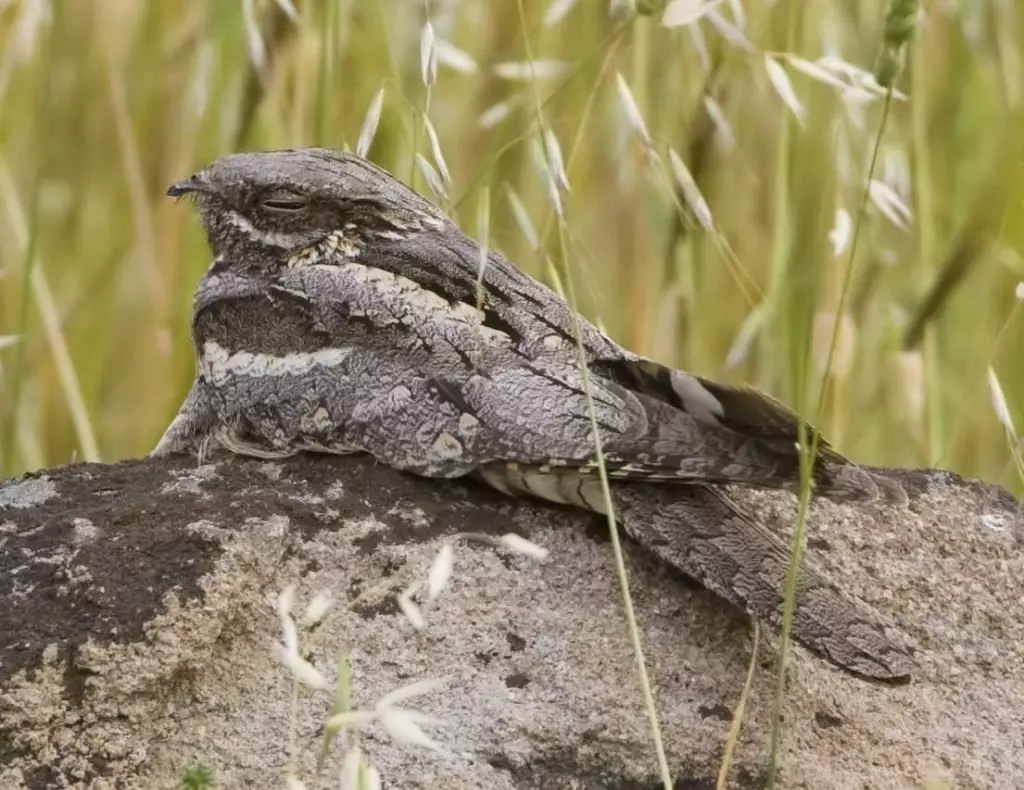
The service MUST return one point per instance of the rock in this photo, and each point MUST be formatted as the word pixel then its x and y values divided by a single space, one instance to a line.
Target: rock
pixel 138 624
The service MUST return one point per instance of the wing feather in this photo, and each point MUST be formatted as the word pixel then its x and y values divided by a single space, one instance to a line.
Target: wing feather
pixel 423 384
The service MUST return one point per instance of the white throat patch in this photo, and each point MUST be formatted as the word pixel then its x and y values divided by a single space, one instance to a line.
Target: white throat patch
pixel 286 241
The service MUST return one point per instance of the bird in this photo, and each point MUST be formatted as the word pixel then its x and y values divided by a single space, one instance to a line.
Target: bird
pixel 344 313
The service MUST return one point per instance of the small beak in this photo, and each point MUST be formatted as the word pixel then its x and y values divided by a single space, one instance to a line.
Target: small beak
pixel 193 184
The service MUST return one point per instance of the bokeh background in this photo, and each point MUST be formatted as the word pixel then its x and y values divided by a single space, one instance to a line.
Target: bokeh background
pixel 104 103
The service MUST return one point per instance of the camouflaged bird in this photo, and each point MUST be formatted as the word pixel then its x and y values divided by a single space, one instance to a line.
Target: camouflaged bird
pixel 342 314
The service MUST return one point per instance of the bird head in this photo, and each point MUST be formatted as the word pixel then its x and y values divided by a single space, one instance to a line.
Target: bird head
pixel 259 209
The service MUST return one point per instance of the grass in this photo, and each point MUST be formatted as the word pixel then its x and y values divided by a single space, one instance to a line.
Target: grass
pixel 136 100
pixel 103 104
pixel 197 776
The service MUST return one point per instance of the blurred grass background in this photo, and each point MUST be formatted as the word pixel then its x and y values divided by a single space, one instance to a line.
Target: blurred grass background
pixel 104 103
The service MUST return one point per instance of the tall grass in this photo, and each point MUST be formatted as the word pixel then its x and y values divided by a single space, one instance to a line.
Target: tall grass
pixel 141 94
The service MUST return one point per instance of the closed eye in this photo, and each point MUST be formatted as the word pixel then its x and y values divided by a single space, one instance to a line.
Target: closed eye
pixel 284 204
pixel 283 200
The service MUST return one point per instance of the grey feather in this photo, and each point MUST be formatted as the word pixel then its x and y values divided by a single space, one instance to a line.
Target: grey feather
pixel 705 535
pixel 342 315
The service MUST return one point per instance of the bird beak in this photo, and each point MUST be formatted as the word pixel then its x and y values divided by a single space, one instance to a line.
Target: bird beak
pixel 193 184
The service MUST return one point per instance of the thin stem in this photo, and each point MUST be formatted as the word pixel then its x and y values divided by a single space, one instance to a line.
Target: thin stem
pixel 780 258
pixel 934 434
pixel 808 453
pixel 789 606
pixel 613 531
pixel 326 85
pixel 620 565
pixel 30 245
pixel 848 269
pixel 769 373
pixel 737 718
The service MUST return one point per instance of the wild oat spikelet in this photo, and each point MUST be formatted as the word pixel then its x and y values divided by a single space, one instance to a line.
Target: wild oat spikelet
pixel 899 29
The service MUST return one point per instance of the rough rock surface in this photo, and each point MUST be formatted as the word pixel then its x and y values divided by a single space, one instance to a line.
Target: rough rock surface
pixel 137 626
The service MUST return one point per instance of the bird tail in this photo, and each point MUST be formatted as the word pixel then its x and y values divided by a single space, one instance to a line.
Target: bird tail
pixel 847 482
pixel 840 482
pixel 699 531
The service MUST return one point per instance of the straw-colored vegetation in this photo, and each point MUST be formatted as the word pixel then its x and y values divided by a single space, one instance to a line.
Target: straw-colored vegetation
pixel 103 104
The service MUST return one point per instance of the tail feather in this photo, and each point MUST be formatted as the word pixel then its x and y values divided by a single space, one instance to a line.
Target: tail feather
pixel 699 531
pixel 701 429
pixel 851 483
pixel 838 482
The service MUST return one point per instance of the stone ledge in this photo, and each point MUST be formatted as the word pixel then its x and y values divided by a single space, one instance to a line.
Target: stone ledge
pixel 137 624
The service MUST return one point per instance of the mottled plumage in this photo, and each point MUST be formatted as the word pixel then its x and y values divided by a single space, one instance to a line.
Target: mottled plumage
pixel 340 315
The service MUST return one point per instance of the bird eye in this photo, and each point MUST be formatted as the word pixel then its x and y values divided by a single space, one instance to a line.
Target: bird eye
pixel 283 202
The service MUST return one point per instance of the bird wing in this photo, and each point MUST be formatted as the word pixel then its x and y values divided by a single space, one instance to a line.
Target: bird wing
pixel 343 355
pixel 753 414
pixel 743 409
